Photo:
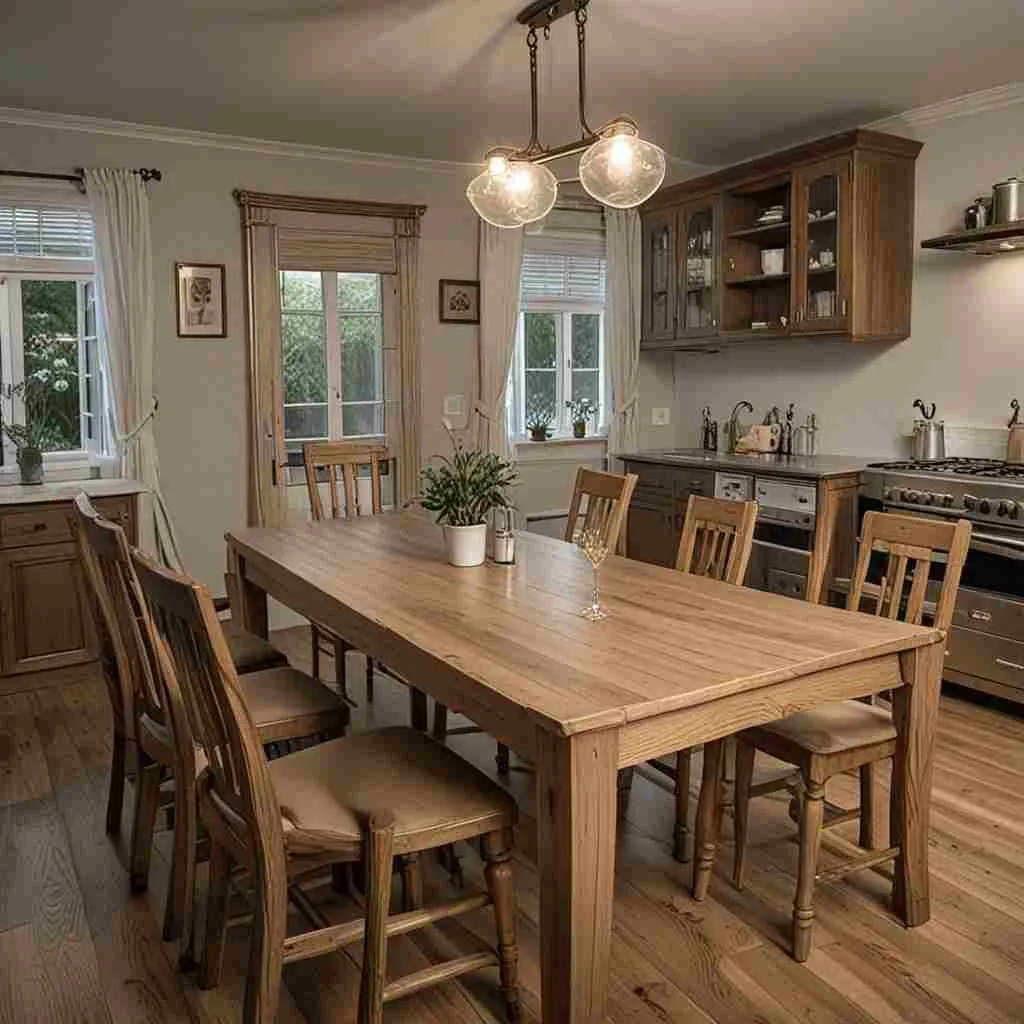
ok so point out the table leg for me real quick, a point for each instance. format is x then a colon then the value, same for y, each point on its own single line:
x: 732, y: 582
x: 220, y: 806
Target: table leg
x: 576, y: 803
x: 252, y: 599
x: 915, y: 712
x: 709, y: 818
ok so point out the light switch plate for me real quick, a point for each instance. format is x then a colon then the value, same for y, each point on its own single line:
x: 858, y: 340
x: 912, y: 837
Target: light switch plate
x: 659, y: 417
x: 455, y: 405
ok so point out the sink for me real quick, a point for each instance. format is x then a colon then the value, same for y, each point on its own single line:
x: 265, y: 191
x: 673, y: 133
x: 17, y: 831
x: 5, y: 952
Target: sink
x: 693, y: 453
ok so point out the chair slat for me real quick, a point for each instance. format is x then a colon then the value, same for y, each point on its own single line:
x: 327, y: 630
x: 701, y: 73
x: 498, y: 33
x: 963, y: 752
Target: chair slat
x: 346, y: 457
x: 608, y: 496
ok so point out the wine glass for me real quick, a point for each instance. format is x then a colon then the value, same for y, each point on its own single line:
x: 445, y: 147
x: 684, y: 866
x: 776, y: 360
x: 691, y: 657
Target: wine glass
x: 594, y: 544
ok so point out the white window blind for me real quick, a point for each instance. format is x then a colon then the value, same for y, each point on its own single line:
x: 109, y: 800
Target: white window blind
x: 300, y: 250
x: 54, y: 232
x: 555, y: 276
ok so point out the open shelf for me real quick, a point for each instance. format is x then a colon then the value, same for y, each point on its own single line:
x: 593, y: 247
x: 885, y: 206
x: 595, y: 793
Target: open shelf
x: 753, y: 280
x: 990, y: 241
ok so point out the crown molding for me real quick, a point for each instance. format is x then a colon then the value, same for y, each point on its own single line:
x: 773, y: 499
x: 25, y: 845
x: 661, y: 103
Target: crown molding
x: 982, y: 102
x: 215, y: 140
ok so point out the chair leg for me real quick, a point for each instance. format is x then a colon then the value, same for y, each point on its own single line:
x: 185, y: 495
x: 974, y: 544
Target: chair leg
x: 440, y: 722
x: 181, y: 888
x: 708, y: 818
x: 147, y: 799
x: 868, y: 809
x: 379, y: 842
x: 497, y: 851
x: 681, y: 841
x: 741, y: 810
x: 218, y: 892
x: 115, y: 797
x: 266, y: 948
x: 502, y: 759
x: 369, y: 680
x: 418, y: 709
x: 812, y: 816
x: 340, y: 676
x: 624, y: 786
x: 315, y: 652
x: 412, y: 881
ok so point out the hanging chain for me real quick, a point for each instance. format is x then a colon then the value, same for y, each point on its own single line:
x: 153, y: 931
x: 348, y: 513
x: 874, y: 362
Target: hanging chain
x: 531, y: 42
x: 581, y: 45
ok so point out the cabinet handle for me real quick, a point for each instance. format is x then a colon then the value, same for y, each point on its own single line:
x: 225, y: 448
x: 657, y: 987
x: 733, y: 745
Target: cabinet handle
x: 1009, y: 664
x: 842, y: 308
x: 714, y: 322
x: 980, y: 616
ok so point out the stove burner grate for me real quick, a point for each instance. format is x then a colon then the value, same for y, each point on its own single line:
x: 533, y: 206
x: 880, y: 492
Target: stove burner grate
x: 990, y: 468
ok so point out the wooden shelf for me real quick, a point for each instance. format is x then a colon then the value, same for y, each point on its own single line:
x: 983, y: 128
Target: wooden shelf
x: 991, y: 241
x: 828, y: 218
x: 812, y: 271
x: 760, y: 230
x: 753, y: 280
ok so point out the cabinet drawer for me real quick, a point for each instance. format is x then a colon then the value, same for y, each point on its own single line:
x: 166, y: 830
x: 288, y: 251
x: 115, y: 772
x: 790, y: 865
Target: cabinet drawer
x: 989, y: 657
x: 988, y: 613
x: 28, y: 525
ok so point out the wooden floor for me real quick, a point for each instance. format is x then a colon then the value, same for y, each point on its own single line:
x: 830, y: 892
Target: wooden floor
x: 76, y: 946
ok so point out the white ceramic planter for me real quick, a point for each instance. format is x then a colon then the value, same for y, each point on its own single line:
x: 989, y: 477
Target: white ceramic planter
x: 467, y: 545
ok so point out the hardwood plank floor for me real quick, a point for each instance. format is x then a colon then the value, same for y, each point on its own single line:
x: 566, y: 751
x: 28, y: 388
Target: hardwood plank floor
x: 75, y: 945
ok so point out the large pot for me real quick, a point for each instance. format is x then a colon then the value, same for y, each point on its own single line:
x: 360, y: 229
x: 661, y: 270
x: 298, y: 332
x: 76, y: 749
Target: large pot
x: 467, y: 545
x: 30, y: 463
x: 1008, y: 201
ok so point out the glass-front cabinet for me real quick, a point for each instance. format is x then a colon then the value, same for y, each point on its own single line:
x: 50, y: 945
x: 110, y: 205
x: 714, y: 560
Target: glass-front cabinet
x: 659, y: 276
x: 698, y: 300
x: 822, y: 242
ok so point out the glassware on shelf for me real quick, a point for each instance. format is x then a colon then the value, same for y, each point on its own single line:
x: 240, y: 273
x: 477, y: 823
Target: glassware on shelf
x: 594, y: 545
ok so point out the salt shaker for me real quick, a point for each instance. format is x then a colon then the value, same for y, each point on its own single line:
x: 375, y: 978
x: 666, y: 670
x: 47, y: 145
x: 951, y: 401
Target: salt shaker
x: 504, y: 546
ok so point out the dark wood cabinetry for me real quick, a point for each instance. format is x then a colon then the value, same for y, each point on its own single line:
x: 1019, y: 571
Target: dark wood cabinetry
x: 45, y: 618
x: 814, y: 241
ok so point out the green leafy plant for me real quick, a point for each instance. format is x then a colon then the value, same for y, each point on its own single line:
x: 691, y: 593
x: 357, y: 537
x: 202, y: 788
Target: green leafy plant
x: 42, y: 392
x: 466, y: 485
x: 539, y: 414
x: 581, y: 410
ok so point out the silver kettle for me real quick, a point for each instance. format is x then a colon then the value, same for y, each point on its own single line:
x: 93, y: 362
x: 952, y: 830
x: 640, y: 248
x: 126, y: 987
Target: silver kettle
x: 929, y: 434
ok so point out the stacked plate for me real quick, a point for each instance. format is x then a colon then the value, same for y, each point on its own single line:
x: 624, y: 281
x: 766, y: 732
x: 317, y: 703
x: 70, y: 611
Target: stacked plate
x: 773, y: 215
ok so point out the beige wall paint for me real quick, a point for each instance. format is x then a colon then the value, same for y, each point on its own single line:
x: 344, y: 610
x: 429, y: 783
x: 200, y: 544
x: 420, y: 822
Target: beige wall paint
x: 201, y: 384
x: 966, y: 350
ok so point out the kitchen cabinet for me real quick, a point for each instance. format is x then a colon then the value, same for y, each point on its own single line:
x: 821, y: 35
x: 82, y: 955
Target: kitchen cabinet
x: 813, y: 241
x: 46, y: 619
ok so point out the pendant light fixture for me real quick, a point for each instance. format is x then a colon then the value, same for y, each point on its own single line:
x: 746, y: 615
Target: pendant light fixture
x: 617, y: 167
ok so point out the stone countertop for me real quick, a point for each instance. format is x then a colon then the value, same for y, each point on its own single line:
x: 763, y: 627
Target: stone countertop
x: 810, y: 467
x: 65, y: 490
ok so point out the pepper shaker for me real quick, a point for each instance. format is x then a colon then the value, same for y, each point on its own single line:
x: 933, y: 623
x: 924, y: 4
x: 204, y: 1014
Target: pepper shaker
x: 504, y: 543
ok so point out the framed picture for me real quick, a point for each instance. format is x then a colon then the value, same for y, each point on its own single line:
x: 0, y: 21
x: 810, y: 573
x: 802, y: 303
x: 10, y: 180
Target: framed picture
x: 459, y: 302
x: 200, y: 291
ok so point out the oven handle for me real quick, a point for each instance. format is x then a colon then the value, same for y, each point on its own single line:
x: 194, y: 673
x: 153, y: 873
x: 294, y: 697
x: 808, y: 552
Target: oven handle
x: 993, y: 544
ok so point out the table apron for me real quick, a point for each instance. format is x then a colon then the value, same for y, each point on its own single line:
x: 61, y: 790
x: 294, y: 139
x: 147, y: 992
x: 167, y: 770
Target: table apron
x: 658, y: 735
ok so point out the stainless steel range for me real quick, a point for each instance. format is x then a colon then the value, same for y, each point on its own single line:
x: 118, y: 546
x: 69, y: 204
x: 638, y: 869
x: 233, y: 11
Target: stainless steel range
x: 986, y: 642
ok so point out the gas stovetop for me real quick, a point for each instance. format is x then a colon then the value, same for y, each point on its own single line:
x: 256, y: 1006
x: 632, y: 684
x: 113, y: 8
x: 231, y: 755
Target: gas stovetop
x: 985, y: 490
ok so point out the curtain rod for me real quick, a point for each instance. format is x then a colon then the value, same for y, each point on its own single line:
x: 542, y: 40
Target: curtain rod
x: 78, y: 178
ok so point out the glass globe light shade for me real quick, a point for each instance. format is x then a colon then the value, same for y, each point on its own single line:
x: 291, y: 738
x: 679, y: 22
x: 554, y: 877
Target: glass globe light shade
x: 621, y: 169
x: 512, y: 193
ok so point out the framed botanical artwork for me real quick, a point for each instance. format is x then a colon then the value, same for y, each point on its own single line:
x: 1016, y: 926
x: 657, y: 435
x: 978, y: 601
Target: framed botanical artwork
x: 459, y: 302
x: 200, y: 291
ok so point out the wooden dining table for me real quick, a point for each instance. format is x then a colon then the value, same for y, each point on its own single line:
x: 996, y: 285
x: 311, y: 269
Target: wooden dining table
x: 680, y: 660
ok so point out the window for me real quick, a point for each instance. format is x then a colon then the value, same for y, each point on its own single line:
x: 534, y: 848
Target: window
x: 560, y: 347
x: 332, y: 345
x: 49, y: 329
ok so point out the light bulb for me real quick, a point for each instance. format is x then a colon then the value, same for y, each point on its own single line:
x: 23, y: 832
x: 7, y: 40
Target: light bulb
x: 519, y: 193
x: 621, y: 169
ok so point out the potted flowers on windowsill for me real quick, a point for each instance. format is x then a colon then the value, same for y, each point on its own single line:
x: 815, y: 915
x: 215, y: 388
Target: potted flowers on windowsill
x: 462, y: 490
x: 580, y: 410
x: 41, y: 398
x: 538, y: 419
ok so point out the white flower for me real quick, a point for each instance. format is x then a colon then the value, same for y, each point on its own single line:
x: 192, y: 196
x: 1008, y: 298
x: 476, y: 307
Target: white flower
x: 60, y: 385
x: 43, y: 375
x: 60, y: 364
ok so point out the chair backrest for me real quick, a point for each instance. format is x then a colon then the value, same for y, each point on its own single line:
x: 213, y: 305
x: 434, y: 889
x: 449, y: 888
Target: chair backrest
x: 198, y: 662
x: 119, y: 611
x: 905, y: 540
x: 717, y: 538
x: 607, y: 503
x: 348, y: 457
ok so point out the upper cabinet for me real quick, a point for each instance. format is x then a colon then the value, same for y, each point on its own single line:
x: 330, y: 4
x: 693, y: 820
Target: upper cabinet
x: 815, y: 241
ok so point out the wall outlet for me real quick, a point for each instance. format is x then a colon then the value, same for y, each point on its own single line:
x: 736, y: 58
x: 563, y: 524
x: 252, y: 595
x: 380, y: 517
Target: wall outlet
x: 455, y: 405
x: 660, y: 417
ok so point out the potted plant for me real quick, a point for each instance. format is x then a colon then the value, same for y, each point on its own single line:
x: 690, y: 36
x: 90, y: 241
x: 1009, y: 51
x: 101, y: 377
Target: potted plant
x: 580, y: 410
x: 461, y: 491
x: 539, y: 415
x: 42, y: 396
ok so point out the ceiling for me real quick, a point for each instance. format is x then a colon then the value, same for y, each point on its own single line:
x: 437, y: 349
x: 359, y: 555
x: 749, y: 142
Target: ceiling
x: 712, y: 81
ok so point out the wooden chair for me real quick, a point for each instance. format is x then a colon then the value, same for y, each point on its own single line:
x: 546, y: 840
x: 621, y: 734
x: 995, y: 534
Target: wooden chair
x: 716, y: 541
x: 376, y: 796
x: 607, y: 497
x: 346, y: 458
x: 286, y: 704
x: 846, y: 736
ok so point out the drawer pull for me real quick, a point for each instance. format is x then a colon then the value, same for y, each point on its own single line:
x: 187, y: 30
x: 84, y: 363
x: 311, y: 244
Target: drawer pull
x: 979, y: 616
x: 32, y: 528
x: 1009, y: 664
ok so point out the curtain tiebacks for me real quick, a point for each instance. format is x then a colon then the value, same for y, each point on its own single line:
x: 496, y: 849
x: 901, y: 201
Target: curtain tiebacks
x: 627, y: 406
x: 130, y: 435
x: 484, y: 410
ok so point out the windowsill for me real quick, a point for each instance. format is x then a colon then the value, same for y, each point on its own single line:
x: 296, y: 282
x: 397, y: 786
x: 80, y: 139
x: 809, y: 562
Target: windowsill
x: 58, y: 469
x: 565, y: 439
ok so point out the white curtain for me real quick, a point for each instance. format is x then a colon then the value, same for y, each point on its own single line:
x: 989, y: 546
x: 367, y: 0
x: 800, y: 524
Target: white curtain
x: 622, y: 326
x: 501, y: 260
x: 124, y: 289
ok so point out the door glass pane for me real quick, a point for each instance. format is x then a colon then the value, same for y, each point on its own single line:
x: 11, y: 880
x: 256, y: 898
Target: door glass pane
x: 700, y: 269
x: 586, y: 341
x: 660, y: 257
x: 362, y: 418
x: 49, y: 311
x: 822, y: 200
x: 362, y: 357
x: 359, y: 293
x: 303, y: 354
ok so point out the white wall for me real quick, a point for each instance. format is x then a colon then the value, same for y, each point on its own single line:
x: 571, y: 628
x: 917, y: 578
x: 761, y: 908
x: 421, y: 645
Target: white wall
x: 966, y: 349
x: 201, y: 429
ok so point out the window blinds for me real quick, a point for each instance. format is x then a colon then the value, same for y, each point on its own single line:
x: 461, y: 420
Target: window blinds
x: 547, y: 275
x: 306, y: 250
x: 53, y: 232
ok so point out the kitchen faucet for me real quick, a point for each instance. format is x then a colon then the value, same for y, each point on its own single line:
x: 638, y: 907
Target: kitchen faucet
x: 732, y: 427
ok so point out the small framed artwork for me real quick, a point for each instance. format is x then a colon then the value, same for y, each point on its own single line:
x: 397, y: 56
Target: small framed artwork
x: 200, y: 291
x: 459, y: 302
